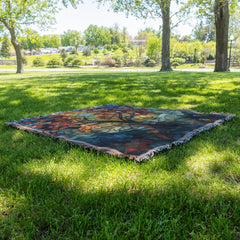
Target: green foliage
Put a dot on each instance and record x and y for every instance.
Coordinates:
(175, 64)
(38, 62)
(77, 62)
(96, 50)
(73, 61)
(109, 47)
(118, 52)
(109, 62)
(154, 48)
(115, 47)
(178, 60)
(205, 33)
(54, 62)
(119, 60)
(71, 38)
(18, 14)
(125, 50)
(97, 36)
(150, 62)
(63, 54)
(31, 40)
(51, 41)
(145, 35)
(97, 62)
(86, 52)
(115, 35)
(68, 60)
(74, 51)
(138, 62)
(5, 49)
(105, 51)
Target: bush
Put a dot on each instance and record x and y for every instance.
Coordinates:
(68, 60)
(125, 50)
(86, 52)
(109, 61)
(115, 46)
(63, 54)
(97, 62)
(150, 62)
(74, 51)
(138, 62)
(178, 60)
(76, 62)
(109, 48)
(105, 52)
(119, 60)
(96, 50)
(38, 62)
(175, 64)
(54, 62)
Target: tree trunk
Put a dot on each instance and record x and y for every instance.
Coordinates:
(17, 48)
(221, 12)
(165, 8)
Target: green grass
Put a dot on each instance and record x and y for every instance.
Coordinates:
(53, 190)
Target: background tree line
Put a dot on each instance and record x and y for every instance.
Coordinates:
(17, 15)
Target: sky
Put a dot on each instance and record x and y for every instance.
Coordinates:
(88, 13)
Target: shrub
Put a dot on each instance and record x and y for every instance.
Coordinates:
(138, 62)
(74, 51)
(97, 62)
(125, 50)
(68, 60)
(76, 62)
(63, 54)
(175, 64)
(119, 60)
(150, 62)
(105, 52)
(118, 52)
(115, 46)
(38, 62)
(86, 52)
(109, 61)
(109, 48)
(96, 50)
(178, 60)
(54, 62)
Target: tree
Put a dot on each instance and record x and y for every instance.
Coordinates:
(234, 25)
(97, 36)
(205, 32)
(72, 38)
(221, 10)
(144, 9)
(31, 41)
(15, 15)
(124, 35)
(5, 49)
(115, 35)
(144, 35)
(154, 48)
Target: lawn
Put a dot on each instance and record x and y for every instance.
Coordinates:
(53, 190)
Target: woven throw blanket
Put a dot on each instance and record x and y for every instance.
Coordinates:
(123, 130)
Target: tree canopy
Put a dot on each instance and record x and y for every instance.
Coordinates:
(17, 15)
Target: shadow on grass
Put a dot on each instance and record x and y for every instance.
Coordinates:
(45, 201)
(49, 208)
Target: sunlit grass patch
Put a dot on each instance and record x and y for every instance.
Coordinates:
(53, 190)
